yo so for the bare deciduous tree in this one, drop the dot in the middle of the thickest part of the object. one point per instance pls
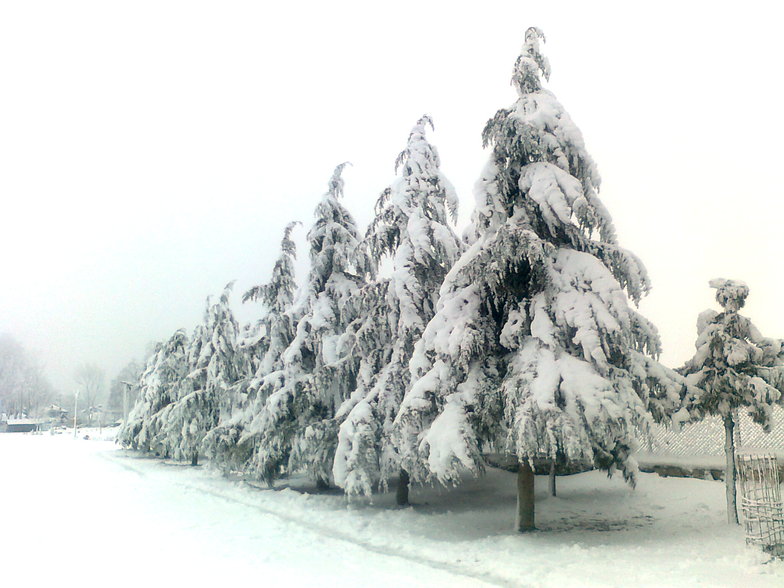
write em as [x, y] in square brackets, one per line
[24, 389]
[89, 380]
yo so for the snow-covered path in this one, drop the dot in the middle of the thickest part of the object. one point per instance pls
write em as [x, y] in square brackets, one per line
[89, 511]
[84, 511]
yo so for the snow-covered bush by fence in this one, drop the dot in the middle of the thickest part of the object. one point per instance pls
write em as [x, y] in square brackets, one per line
[734, 368]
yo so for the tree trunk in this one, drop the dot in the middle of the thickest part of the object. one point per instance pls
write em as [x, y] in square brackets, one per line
[552, 478]
[401, 494]
[525, 498]
[195, 458]
[322, 484]
[729, 472]
[738, 438]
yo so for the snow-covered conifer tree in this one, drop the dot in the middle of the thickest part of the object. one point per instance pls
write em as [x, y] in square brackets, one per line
[272, 334]
[734, 367]
[159, 386]
[128, 433]
[216, 365]
[410, 227]
[277, 296]
[534, 350]
[297, 427]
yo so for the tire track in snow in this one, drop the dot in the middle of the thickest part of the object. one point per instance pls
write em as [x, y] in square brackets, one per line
[329, 532]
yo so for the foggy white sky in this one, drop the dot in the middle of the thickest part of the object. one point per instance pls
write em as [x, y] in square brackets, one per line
[152, 151]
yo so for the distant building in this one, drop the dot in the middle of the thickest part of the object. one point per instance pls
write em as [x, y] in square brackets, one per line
[56, 414]
[52, 416]
[25, 425]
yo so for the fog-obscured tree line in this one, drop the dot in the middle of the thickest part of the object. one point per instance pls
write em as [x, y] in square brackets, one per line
[24, 388]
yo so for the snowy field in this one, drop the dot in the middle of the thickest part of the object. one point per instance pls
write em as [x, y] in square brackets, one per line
[86, 511]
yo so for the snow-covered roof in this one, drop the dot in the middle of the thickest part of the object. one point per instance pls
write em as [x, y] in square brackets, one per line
[26, 421]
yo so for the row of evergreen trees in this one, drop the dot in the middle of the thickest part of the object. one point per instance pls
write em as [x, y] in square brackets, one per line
[316, 384]
[518, 339]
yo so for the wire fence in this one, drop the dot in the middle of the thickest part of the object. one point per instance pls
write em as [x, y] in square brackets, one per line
[760, 503]
[707, 437]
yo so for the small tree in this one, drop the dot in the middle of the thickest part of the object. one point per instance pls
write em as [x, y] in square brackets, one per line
[534, 350]
[411, 227]
[734, 367]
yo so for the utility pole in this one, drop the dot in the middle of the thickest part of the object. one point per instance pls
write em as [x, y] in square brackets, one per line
[76, 407]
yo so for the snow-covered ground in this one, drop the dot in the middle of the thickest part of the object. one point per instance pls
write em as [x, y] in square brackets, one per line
[86, 511]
